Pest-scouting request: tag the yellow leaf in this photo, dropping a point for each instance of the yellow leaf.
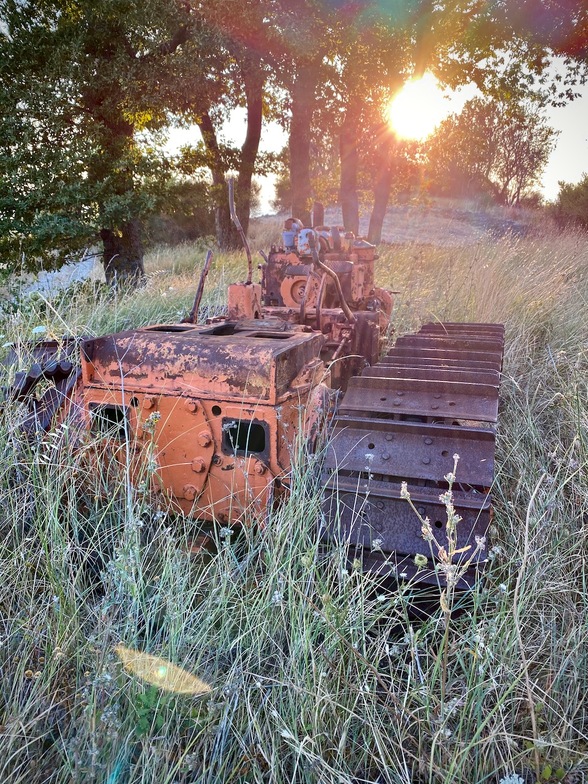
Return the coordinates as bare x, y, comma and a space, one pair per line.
462, 549
160, 672
443, 601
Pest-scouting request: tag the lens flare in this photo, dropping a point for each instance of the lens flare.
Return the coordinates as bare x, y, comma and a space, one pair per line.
418, 108
160, 672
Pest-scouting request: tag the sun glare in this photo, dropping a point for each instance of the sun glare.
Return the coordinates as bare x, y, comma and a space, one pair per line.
418, 108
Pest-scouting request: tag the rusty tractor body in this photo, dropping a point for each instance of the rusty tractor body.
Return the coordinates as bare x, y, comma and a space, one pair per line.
217, 408
223, 405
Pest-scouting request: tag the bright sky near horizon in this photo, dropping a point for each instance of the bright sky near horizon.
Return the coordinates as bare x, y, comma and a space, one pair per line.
568, 161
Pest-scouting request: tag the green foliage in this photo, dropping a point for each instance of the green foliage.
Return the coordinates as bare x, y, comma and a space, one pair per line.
571, 205
187, 214
149, 706
79, 112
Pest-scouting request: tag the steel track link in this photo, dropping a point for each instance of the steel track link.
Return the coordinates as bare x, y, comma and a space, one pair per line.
434, 395
48, 385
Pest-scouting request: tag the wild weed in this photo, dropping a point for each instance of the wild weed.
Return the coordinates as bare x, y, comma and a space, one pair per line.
318, 672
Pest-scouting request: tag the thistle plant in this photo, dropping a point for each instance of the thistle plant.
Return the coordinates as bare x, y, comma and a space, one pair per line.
451, 561
448, 565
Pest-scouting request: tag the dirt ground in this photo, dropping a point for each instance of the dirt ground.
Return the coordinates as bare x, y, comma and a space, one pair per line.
441, 225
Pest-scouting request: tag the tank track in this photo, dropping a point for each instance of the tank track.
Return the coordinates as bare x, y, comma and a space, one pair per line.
46, 387
434, 395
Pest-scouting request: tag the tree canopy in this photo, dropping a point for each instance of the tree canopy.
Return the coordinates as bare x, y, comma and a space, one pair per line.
88, 89
495, 147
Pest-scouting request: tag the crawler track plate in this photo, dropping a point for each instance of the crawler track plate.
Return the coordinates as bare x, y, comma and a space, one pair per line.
434, 395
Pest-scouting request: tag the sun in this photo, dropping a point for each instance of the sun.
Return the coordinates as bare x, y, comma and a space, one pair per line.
418, 108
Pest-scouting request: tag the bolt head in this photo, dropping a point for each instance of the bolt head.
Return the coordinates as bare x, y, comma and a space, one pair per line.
148, 402
198, 465
191, 405
189, 492
204, 438
259, 468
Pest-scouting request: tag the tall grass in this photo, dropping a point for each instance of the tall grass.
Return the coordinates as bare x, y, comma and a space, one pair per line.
318, 674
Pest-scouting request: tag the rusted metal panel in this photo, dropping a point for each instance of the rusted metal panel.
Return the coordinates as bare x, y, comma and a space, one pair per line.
443, 342
460, 328
435, 399
375, 516
221, 361
493, 360
435, 362
467, 376
412, 451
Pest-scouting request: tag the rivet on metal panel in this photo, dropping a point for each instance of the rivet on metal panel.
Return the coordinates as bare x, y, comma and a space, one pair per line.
198, 465
380, 504
148, 402
190, 405
189, 492
217, 460
259, 468
421, 510
204, 438
396, 402
435, 407
389, 437
437, 396
385, 455
428, 441
400, 394
426, 460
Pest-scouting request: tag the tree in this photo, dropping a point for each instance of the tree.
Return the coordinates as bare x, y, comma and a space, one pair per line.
498, 147
81, 81
571, 205
231, 46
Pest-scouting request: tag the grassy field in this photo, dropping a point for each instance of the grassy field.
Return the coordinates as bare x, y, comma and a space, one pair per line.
316, 674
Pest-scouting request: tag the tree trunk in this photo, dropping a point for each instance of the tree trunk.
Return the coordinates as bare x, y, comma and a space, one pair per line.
226, 234
253, 78
303, 91
382, 189
123, 255
349, 165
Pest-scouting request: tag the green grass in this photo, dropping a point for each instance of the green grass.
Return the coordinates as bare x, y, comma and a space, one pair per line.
317, 674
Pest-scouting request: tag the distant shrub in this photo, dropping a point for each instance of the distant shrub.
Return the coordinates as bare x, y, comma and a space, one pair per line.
571, 206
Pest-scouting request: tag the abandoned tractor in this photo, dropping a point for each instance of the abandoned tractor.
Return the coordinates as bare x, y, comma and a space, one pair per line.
219, 406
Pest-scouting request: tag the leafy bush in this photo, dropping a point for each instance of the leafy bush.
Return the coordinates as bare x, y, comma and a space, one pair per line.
571, 206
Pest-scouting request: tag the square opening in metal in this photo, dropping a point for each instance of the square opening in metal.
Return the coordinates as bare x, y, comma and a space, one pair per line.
109, 420
245, 437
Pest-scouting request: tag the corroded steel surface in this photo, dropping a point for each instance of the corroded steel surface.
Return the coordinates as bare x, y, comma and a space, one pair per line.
223, 360
208, 415
433, 396
216, 409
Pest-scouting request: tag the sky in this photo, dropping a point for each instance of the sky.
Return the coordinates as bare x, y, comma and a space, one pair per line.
568, 161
